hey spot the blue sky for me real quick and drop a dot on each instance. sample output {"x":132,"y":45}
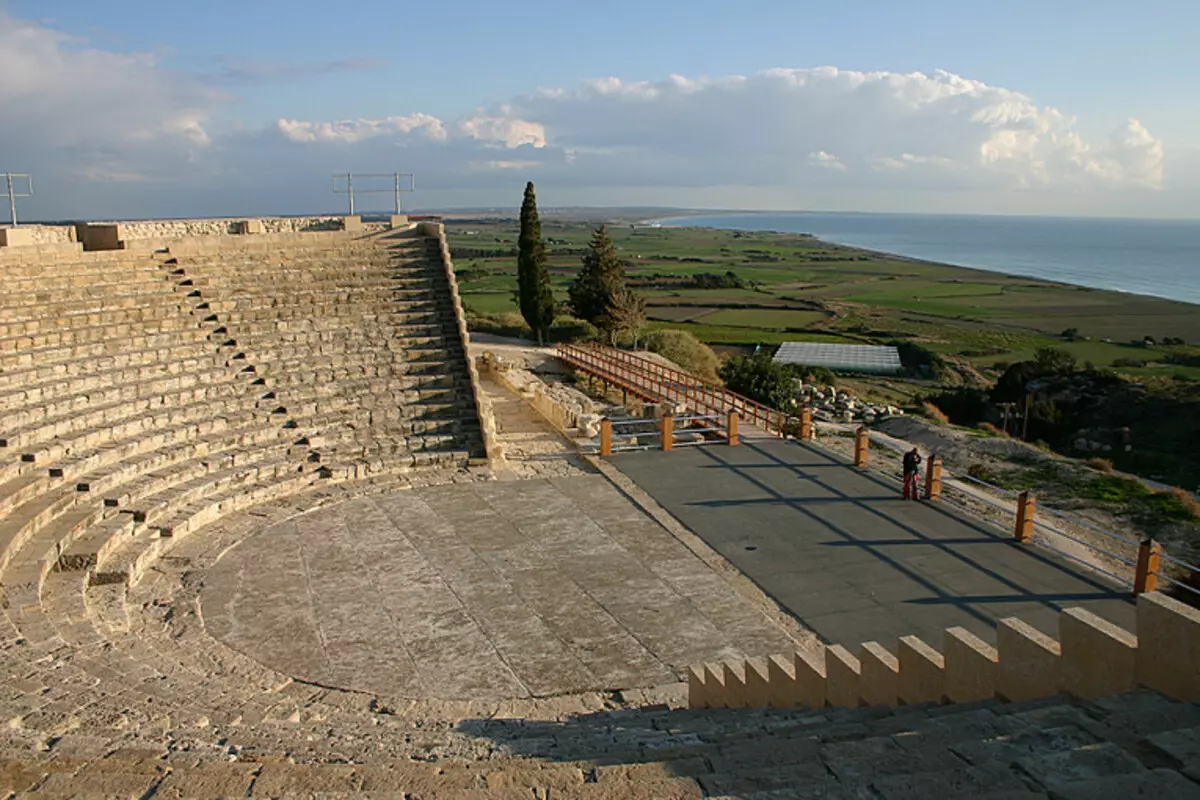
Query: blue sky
{"x":234,"y":76}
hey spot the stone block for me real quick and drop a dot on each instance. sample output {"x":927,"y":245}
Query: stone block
{"x":757,"y":683}
{"x":697,"y":687}
{"x":398,"y":221}
{"x":736,"y":695}
{"x":781,"y":678}
{"x":250,"y":226}
{"x":1029,"y":662}
{"x":970,"y":666}
{"x":843,"y":674}
{"x":922,"y":672}
{"x":811,"y":681}
{"x":1168,"y":654}
{"x":16,"y":237}
{"x":714,"y":680}
{"x":879,"y":680}
{"x":352,"y":224}
{"x":101,"y":237}
{"x":430,"y":228}
{"x":1098,"y":658}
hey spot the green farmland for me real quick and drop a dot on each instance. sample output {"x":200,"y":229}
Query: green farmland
{"x":794,"y":287}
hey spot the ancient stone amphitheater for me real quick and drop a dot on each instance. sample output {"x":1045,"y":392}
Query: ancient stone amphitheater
{"x":200,"y":416}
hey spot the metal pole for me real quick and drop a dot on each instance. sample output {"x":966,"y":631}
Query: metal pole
{"x":397,"y":177}
{"x":350,"y":191}
{"x":12,"y":199}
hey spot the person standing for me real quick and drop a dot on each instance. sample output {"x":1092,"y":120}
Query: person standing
{"x":912,"y":467}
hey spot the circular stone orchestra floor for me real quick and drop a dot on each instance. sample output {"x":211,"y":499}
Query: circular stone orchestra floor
{"x":480,"y":591}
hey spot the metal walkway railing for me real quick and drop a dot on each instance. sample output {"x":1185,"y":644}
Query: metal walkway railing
{"x":656,"y":383}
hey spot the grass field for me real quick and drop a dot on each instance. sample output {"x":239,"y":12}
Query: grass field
{"x":825,"y":292}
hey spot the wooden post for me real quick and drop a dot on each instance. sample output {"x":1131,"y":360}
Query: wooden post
{"x":805,"y":423}
{"x":1026,"y":508}
{"x":668,"y":432}
{"x":1146,"y":579}
{"x":606,"y":437}
{"x":933,"y":478}
{"x":732,"y":428}
{"x":861,"y":448}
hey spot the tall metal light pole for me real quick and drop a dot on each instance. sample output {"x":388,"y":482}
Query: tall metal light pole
{"x":13,"y":194}
{"x":372,"y":178}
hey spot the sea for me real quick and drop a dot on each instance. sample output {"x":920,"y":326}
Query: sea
{"x":1160,"y":258}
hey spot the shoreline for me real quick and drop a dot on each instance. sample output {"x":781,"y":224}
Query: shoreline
{"x":887,"y":255}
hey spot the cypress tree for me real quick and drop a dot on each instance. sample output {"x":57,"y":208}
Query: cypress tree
{"x":533,"y":279}
{"x":601,"y":278}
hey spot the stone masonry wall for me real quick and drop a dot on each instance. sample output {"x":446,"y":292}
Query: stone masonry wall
{"x":48,"y":234}
{"x":1092,"y":658}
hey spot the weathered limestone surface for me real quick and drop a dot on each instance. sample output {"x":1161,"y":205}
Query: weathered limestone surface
{"x":482,"y":590}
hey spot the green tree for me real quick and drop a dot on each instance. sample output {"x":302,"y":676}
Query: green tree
{"x":625,"y":316}
{"x":1054,"y":361}
{"x":760,"y":378}
{"x":533,"y":279}
{"x":601,"y":278}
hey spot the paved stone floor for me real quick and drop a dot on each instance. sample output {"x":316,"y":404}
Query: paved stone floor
{"x":484,"y":590}
{"x":852,"y":560}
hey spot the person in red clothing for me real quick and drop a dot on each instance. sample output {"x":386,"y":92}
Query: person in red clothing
{"x":912,"y":468}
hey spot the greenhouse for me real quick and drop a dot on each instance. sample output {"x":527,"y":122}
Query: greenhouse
{"x":874,"y":359}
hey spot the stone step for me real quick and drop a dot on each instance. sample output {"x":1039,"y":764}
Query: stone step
{"x":95,"y":448}
{"x":26,"y":439}
{"x":62,"y":308}
{"x":30,"y":414}
{"x":139,"y":349}
{"x":68,"y":290}
{"x":151,"y":541}
{"x":48,"y":386}
{"x":58,"y":337}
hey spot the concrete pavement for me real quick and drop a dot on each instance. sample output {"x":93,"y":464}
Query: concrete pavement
{"x":852,"y":560}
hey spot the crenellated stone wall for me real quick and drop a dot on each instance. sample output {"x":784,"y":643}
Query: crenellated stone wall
{"x":1091,"y":658}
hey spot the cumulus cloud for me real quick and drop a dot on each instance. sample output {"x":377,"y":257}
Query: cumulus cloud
{"x":82,"y":108}
{"x":826,"y":161}
{"x":349,"y":132}
{"x":123,"y":120}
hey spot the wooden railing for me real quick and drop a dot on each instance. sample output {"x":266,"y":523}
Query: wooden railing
{"x":657,"y":383}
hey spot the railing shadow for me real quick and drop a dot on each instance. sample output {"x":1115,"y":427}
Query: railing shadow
{"x":953,"y":537}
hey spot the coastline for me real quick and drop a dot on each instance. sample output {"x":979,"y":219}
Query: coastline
{"x":678,"y":221}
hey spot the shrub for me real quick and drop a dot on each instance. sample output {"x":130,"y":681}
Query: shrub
{"x":982,"y":473}
{"x":569,"y":329}
{"x":508,"y":323}
{"x":935,"y":413}
{"x":1115,"y":489}
{"x":1181,"y":502}
{"x":1101,"y":464}
{"x":760,"y":378}
{"x":993,"y":430}
{"x":691,"y":354}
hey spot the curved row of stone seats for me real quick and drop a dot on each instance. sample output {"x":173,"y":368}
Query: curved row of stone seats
{"x":400,"y":381}
{"x":121,"y":417}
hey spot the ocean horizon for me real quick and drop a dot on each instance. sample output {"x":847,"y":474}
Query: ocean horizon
{"x":1160,"y":258}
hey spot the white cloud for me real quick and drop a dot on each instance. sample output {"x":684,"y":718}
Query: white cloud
{"x":826,"y":161}
{"x":121,"y":121}
{"x":507,"y":130}
{"x":352,"y":131}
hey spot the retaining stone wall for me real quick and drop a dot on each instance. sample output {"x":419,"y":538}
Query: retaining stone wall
{"x":487,"y":420}
{"x":1092,"y":658}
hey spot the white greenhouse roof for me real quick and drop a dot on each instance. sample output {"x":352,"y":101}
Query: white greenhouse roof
{"x":843,"y":357}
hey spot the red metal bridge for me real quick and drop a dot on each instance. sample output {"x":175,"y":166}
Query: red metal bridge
{"x":656,"y":383}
